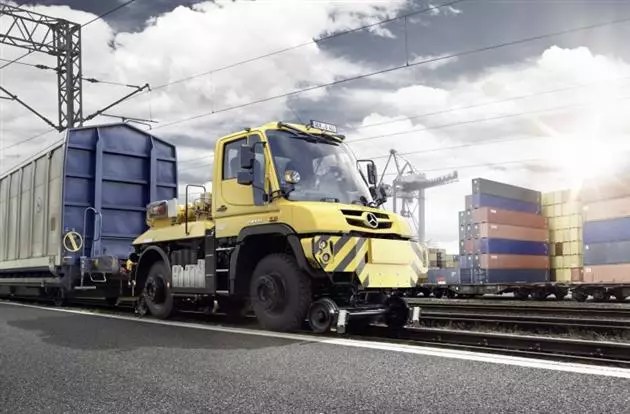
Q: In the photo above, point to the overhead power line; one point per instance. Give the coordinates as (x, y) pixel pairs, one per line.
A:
(23, 141)
(450, 125)
(310, 42)
(395, 68)
(87, 79)
(107, 13)
(475, 121)
(478, 165)
(490, 103)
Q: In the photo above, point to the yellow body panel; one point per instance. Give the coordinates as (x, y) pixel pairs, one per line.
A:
(317, 217)
(378, 263)
(196, 229)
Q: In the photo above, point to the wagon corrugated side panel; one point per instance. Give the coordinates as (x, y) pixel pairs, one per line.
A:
(30, 202)
(117, 169)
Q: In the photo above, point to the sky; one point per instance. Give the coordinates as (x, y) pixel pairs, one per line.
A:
(474, 87)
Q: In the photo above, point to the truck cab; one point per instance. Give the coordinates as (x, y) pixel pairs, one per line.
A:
(293, 230)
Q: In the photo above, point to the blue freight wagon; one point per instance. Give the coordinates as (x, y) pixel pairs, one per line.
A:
(85, 197)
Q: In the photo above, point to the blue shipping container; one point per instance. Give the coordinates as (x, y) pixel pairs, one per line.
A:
(486, 276)
(448, 276)
(606, 231)
(466, 276)
(505, 246)
(466, 261)
(487, 200)
(606, 253)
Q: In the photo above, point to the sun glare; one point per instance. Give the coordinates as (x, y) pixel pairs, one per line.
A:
(581, 159)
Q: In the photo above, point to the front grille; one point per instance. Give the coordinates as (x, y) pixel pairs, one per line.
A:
(356, 218)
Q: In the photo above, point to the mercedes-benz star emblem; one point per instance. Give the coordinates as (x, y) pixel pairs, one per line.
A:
(371, 220)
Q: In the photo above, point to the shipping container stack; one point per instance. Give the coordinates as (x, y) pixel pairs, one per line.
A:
(503, 235)
(564, 217)
(442, 267)
(606, 232)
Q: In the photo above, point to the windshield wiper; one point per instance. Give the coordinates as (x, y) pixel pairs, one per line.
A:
(361, 200)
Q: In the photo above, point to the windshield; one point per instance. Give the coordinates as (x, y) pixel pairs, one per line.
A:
(328, 171)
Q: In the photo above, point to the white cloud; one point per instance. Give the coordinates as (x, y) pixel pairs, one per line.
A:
(586, 137)
(188, 41)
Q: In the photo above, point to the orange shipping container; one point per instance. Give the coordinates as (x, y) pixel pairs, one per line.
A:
(504, 231)
(577, 274)
(513, 261)
(607, 209)
(617, 273)
(598, 189)
(513, 218)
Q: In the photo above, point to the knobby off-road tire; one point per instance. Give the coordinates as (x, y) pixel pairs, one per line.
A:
(157, 294)
(280, 293)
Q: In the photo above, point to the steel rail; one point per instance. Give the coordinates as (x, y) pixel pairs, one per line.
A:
(541, 347)
(608, 312)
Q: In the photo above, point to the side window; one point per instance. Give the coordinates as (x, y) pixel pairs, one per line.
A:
(231, 162)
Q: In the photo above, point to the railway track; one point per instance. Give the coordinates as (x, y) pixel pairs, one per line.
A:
(542, 347)
(529, 322)
(601, 312)
(615, 354)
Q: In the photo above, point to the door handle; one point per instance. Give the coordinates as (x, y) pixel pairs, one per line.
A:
(221, 208)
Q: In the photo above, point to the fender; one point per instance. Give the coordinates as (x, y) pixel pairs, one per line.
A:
(268, 229)
(149, 251)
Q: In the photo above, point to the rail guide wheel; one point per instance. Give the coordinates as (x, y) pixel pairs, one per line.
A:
(322, 315)
(397, 314)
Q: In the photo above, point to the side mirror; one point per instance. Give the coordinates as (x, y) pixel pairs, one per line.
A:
(246, 157)
(372, 175)
(245, 177)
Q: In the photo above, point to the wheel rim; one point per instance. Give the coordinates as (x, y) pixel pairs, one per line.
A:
(321, 315)
(154, 290)
(270, 293)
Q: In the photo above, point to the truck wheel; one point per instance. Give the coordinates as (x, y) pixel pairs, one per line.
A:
(157, 294)
(280, 293)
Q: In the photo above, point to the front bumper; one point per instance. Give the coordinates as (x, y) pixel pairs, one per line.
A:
(377, 263)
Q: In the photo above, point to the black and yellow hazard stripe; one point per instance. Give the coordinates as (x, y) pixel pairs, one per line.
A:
(339, 253)
(370, 257)
(420, 263)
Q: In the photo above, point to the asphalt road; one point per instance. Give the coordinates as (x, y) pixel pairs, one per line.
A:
(58, 362)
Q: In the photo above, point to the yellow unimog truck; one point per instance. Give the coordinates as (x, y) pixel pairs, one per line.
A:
(293, 230)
